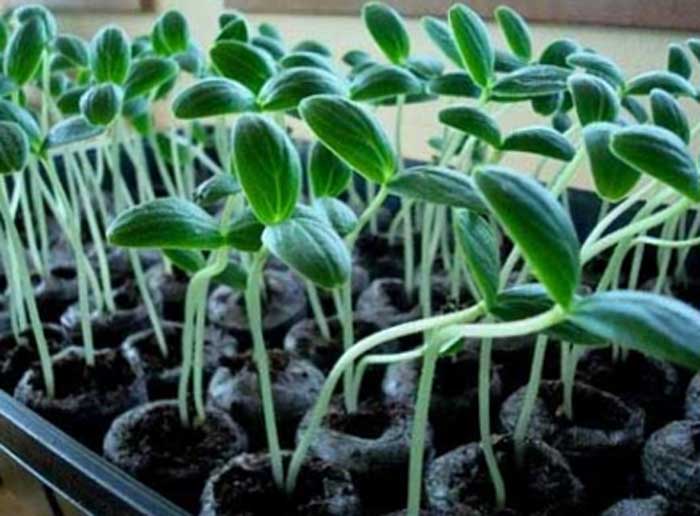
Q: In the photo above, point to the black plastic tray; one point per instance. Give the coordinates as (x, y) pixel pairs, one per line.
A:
(85, 479)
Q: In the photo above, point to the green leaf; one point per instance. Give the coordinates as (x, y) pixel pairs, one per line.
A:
(383, 81)
(271, 47)
(635, 108)
(243, 63)
(102, 103)
(506, 62)
(147, 74)
(388, 31)
(228, 16)
(557, 52)
(540, 140)
(547, 105)
(299, 59)
(694, 46)
(473, 122)
(473, 43)
(354, 58)
(530, 300)
(213, 97)
(338, 214)
(166, 223)
(24, 51)
(670, 82)
(537, 223)
(71, 130)
(613, 177)
(661, 154)
(74, 49)
(14, 148)
(191, 61)
(594, 98)
(25, 13)
(289, 87)
(235, 30)
(312, 46)
(110, 56)
(329, 174)
(352, 134)
(516, 31)
(479, 245)
(668, 113)
(245, 232)
(269, 31)
(658, 326)
(439, 33)
(268, 168)
(215, 189)
(425, 67)
(171, 32)
(438, 185)
(454, 84)
(69, 102)
(10, 112)
(308, 244)
(530, 82)
(597, 65)
(679, 62)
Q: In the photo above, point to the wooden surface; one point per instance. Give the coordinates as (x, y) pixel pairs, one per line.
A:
(663, 14)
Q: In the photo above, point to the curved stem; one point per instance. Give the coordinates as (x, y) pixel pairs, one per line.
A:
(317, 310)
(360, 348)
(252, 298)
(376, 203)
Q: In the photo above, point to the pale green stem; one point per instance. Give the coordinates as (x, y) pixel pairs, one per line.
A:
(317, 310)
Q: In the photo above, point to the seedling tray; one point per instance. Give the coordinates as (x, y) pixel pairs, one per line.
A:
(86, 480)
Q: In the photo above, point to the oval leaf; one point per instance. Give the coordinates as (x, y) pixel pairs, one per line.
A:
(661, 154)
(516, 31)
(71, 130)
(474, 44)
(540, 140)
(667, 81)
(613, 177)
(388, 31)
(243, 63)
(245, 232)
(10, 112)
(170, 223)
(14, 148)
(110, 55)
(479, 246)
(102, 103)
(667, 113)
(438, 185)
(530, 82)
(597, 65)
(328, 173)
(268, 168)
(285, 90)
(172, 32)
(383, 81)
(24, 51)
(353, 134)
(454, 84)
(472, 121)
(216, 188)
(147, 74)
(234, 30)
(312, 46)
(658, 326)
(69, 102)
(307, 244)
(439, 33)
(74, 49)
(338, 214)
(306, 59)
(538, 225)
(213, 97)
(594, 99)
(679, 62)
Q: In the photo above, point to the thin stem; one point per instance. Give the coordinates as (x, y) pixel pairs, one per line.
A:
(485, 423)
(360, 348)
(252, 298)
(317, 310)
(343, 304)
(531, 391)
(420, 423)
